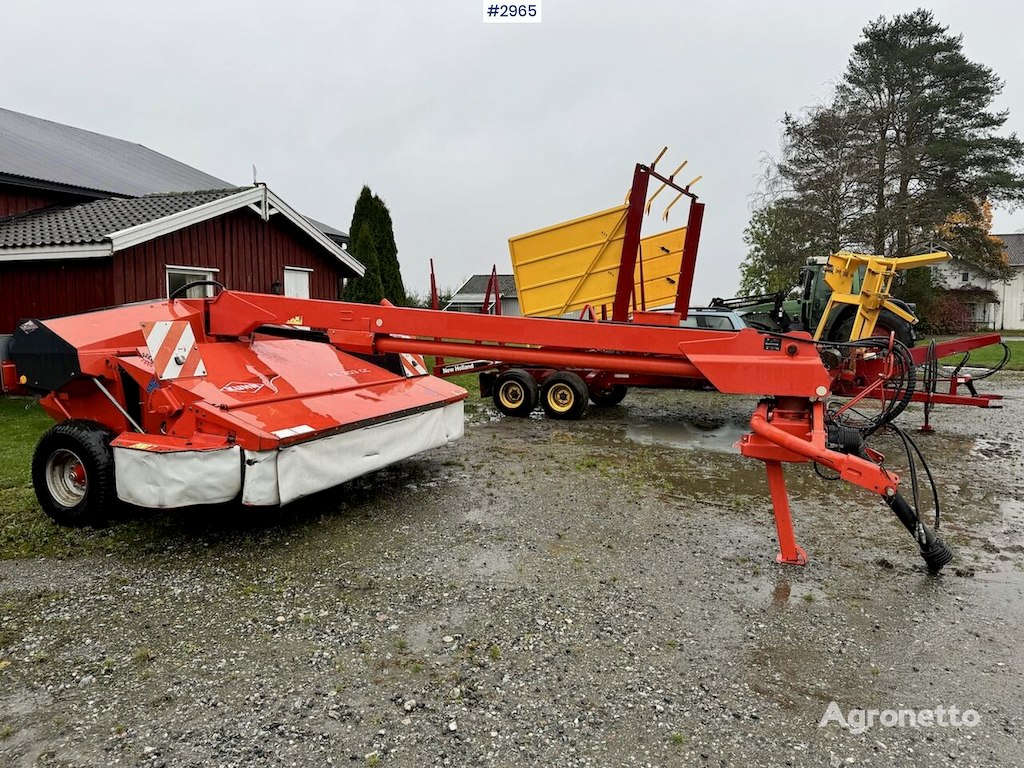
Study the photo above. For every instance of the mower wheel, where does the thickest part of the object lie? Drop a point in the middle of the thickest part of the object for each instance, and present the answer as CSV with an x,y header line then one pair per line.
x,y
564,395
73,473
608,396
515,393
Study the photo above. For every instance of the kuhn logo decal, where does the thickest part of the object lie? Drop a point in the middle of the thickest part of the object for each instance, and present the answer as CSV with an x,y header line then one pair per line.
x,y
249,387
252,387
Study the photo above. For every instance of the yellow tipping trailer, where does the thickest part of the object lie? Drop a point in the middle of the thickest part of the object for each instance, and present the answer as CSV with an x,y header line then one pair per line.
x,y
567,266
580,263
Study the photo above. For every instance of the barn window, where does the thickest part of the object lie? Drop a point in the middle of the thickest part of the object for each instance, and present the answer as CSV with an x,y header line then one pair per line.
x,y
296,282
179,276
965,276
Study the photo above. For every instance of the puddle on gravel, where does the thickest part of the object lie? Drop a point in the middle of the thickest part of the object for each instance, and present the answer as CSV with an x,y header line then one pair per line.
x,y
688,436
1011,521
777,590
988,448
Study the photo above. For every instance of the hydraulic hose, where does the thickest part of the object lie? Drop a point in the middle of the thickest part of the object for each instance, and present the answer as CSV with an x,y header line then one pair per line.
x,y
934,550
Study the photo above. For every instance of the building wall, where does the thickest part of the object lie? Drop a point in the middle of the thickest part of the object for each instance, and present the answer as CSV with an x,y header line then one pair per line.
x,y
1010,311
249,253
1008,314
955,274
470,302
510,306
16,199
48,288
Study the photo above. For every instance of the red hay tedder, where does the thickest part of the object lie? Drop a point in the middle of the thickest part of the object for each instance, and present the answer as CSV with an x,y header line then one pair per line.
x,y
267,399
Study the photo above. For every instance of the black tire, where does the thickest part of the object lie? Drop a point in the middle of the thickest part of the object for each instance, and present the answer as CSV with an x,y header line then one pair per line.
x,y
887,322
608,396
73,473
515,393
563,395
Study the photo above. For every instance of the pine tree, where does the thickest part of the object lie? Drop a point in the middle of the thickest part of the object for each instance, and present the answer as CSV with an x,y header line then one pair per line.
x,y
368,288
818,176
390,269
906,151
926,131
371,211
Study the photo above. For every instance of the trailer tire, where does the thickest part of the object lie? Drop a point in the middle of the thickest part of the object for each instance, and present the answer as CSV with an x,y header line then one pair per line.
x,y
886,322
564,395
515,393
608,396
73,473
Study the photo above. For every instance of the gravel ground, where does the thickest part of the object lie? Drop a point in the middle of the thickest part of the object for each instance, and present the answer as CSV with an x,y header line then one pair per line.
x,y
597,593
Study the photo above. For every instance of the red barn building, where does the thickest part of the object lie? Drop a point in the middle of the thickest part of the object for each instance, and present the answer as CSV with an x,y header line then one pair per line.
x,y
88,221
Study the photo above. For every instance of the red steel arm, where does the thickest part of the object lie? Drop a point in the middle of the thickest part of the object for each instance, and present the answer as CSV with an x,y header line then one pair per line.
x,y
727,360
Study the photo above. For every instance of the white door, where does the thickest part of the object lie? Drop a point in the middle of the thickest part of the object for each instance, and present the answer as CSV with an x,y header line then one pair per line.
x,y
296,282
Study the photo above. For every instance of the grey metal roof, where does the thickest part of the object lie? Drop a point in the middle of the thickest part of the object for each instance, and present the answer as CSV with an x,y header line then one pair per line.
x,y
477,285
341,238
42,153
94,222
1014,248
35,149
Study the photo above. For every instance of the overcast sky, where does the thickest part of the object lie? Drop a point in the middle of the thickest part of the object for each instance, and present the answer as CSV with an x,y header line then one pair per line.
x,y
471,132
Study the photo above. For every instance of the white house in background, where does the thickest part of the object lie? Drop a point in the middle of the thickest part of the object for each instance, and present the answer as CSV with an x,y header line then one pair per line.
x,y
471,296
1008,314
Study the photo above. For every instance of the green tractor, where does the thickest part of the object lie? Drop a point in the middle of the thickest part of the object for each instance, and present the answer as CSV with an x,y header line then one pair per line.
x,y
801,308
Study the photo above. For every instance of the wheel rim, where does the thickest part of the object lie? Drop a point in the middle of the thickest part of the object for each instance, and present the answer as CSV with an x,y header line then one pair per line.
x,y
66,479
511,394
560,397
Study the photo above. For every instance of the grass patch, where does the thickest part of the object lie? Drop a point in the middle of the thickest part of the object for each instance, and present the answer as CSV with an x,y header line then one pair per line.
x,y
23,526
468,381
22,422
25,531
986,357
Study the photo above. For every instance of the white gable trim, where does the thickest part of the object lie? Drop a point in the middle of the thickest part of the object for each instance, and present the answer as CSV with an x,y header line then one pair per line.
x,y
302,223
53,252
260,196
151,230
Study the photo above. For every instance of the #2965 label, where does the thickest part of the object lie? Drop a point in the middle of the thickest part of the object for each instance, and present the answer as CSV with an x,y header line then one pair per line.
x,y
511,13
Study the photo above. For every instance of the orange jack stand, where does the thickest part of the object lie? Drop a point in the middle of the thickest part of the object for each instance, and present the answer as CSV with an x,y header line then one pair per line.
x,y
790,553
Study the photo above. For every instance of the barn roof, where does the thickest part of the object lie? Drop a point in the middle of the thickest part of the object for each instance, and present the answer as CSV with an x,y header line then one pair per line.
x,y
102,227
43,154
1014,248
94,222
61,156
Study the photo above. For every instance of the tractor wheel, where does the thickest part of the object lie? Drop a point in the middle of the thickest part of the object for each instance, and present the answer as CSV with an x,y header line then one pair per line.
x,y
607,396
887,322
515,393
564,395
73,473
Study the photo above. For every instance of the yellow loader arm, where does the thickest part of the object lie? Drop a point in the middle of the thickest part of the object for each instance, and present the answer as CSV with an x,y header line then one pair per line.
x,y
875,288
